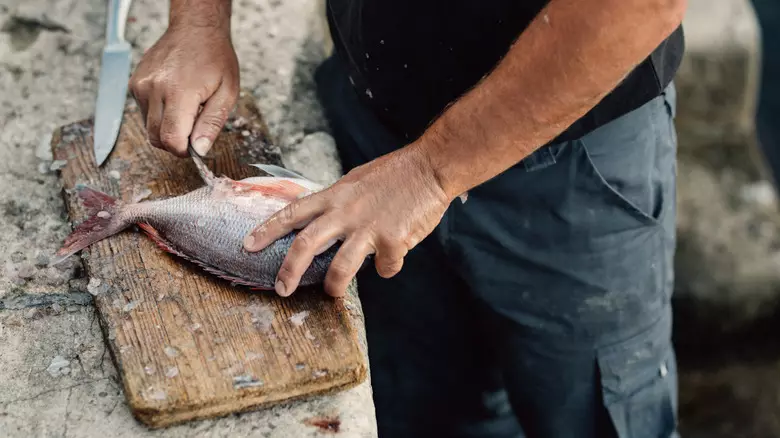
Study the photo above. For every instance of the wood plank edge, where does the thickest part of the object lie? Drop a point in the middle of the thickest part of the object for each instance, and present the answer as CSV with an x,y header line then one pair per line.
x,y
153,418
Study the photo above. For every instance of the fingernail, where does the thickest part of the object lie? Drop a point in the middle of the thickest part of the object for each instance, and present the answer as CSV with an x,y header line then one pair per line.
x,y
201,145
249,241
281,289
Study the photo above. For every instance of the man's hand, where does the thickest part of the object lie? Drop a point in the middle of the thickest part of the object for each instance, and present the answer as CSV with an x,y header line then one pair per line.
x,y
191,65
385,207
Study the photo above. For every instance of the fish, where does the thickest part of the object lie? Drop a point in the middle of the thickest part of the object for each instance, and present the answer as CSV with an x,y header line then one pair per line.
x,y
207,226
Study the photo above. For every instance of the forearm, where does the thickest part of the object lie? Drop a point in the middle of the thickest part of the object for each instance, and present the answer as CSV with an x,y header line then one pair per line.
x,y
572,55
200,13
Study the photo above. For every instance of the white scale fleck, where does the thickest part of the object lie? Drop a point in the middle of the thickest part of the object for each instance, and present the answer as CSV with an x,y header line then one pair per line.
x,y
130,306
104,215
261,315
157,394
93,287
114,175
246,381
298,318
59,366
57,165
149,370
251,355
171,352
142,194
369,93
172,372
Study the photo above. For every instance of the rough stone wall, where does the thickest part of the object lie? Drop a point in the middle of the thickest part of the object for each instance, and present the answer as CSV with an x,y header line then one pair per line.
x,y
728,258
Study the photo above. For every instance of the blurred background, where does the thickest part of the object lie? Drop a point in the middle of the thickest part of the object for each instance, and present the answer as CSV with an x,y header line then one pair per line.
x,y
728,260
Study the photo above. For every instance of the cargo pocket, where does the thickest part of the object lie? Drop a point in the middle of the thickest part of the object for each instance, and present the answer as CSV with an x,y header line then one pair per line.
x,y
613,181
639,387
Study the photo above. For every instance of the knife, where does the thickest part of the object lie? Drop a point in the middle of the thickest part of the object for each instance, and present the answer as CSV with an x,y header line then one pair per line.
x,y
112,86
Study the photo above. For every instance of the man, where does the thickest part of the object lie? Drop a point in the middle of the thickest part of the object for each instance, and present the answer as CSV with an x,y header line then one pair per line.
x,y
539,307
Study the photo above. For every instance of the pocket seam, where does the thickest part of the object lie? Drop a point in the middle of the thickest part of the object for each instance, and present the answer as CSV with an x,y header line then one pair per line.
x,y
621,200
542,157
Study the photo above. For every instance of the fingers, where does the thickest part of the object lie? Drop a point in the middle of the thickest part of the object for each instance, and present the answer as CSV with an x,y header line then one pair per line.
x,y
212,118
346,264
140,91
305,246
389,261
172,117
179,112
154,119
142,102
294,216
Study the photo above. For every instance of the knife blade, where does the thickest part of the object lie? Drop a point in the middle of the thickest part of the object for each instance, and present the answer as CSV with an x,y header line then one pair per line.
x,y
112,85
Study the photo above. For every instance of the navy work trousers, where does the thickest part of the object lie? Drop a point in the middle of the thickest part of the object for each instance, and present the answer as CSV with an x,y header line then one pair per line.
x,y
540,308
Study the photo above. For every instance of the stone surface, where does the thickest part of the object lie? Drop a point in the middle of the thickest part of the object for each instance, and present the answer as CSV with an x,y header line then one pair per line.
x,y
718,78
728,253
56,378
727,297
728,257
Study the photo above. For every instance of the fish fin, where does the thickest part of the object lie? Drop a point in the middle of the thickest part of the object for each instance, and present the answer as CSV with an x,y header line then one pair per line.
x,y
94,200
278,171
103,223
278,188
167,247
159,240
205,174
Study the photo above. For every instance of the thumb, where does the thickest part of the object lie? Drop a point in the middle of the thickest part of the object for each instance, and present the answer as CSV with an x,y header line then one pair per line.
x,y
212,118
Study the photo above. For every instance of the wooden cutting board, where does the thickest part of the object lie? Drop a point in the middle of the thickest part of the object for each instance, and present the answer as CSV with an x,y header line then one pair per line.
x,y
188,345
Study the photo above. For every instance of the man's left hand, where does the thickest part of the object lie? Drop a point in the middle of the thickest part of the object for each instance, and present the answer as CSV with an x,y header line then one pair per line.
x,y
384,207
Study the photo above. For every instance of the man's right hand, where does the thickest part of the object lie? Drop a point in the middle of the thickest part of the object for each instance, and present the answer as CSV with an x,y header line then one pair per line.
x,y
189,66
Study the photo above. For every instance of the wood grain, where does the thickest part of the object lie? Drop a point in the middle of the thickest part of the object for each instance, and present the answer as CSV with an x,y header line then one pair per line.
x,y
189,345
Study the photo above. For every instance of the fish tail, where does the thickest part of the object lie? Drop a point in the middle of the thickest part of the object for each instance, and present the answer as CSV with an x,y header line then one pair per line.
x,y
104,221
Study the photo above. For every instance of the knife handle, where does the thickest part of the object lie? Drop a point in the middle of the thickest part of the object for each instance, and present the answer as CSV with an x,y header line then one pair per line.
x,y
115,23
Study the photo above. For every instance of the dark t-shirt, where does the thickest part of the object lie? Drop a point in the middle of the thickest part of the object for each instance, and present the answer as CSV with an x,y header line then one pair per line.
x,y
409,59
